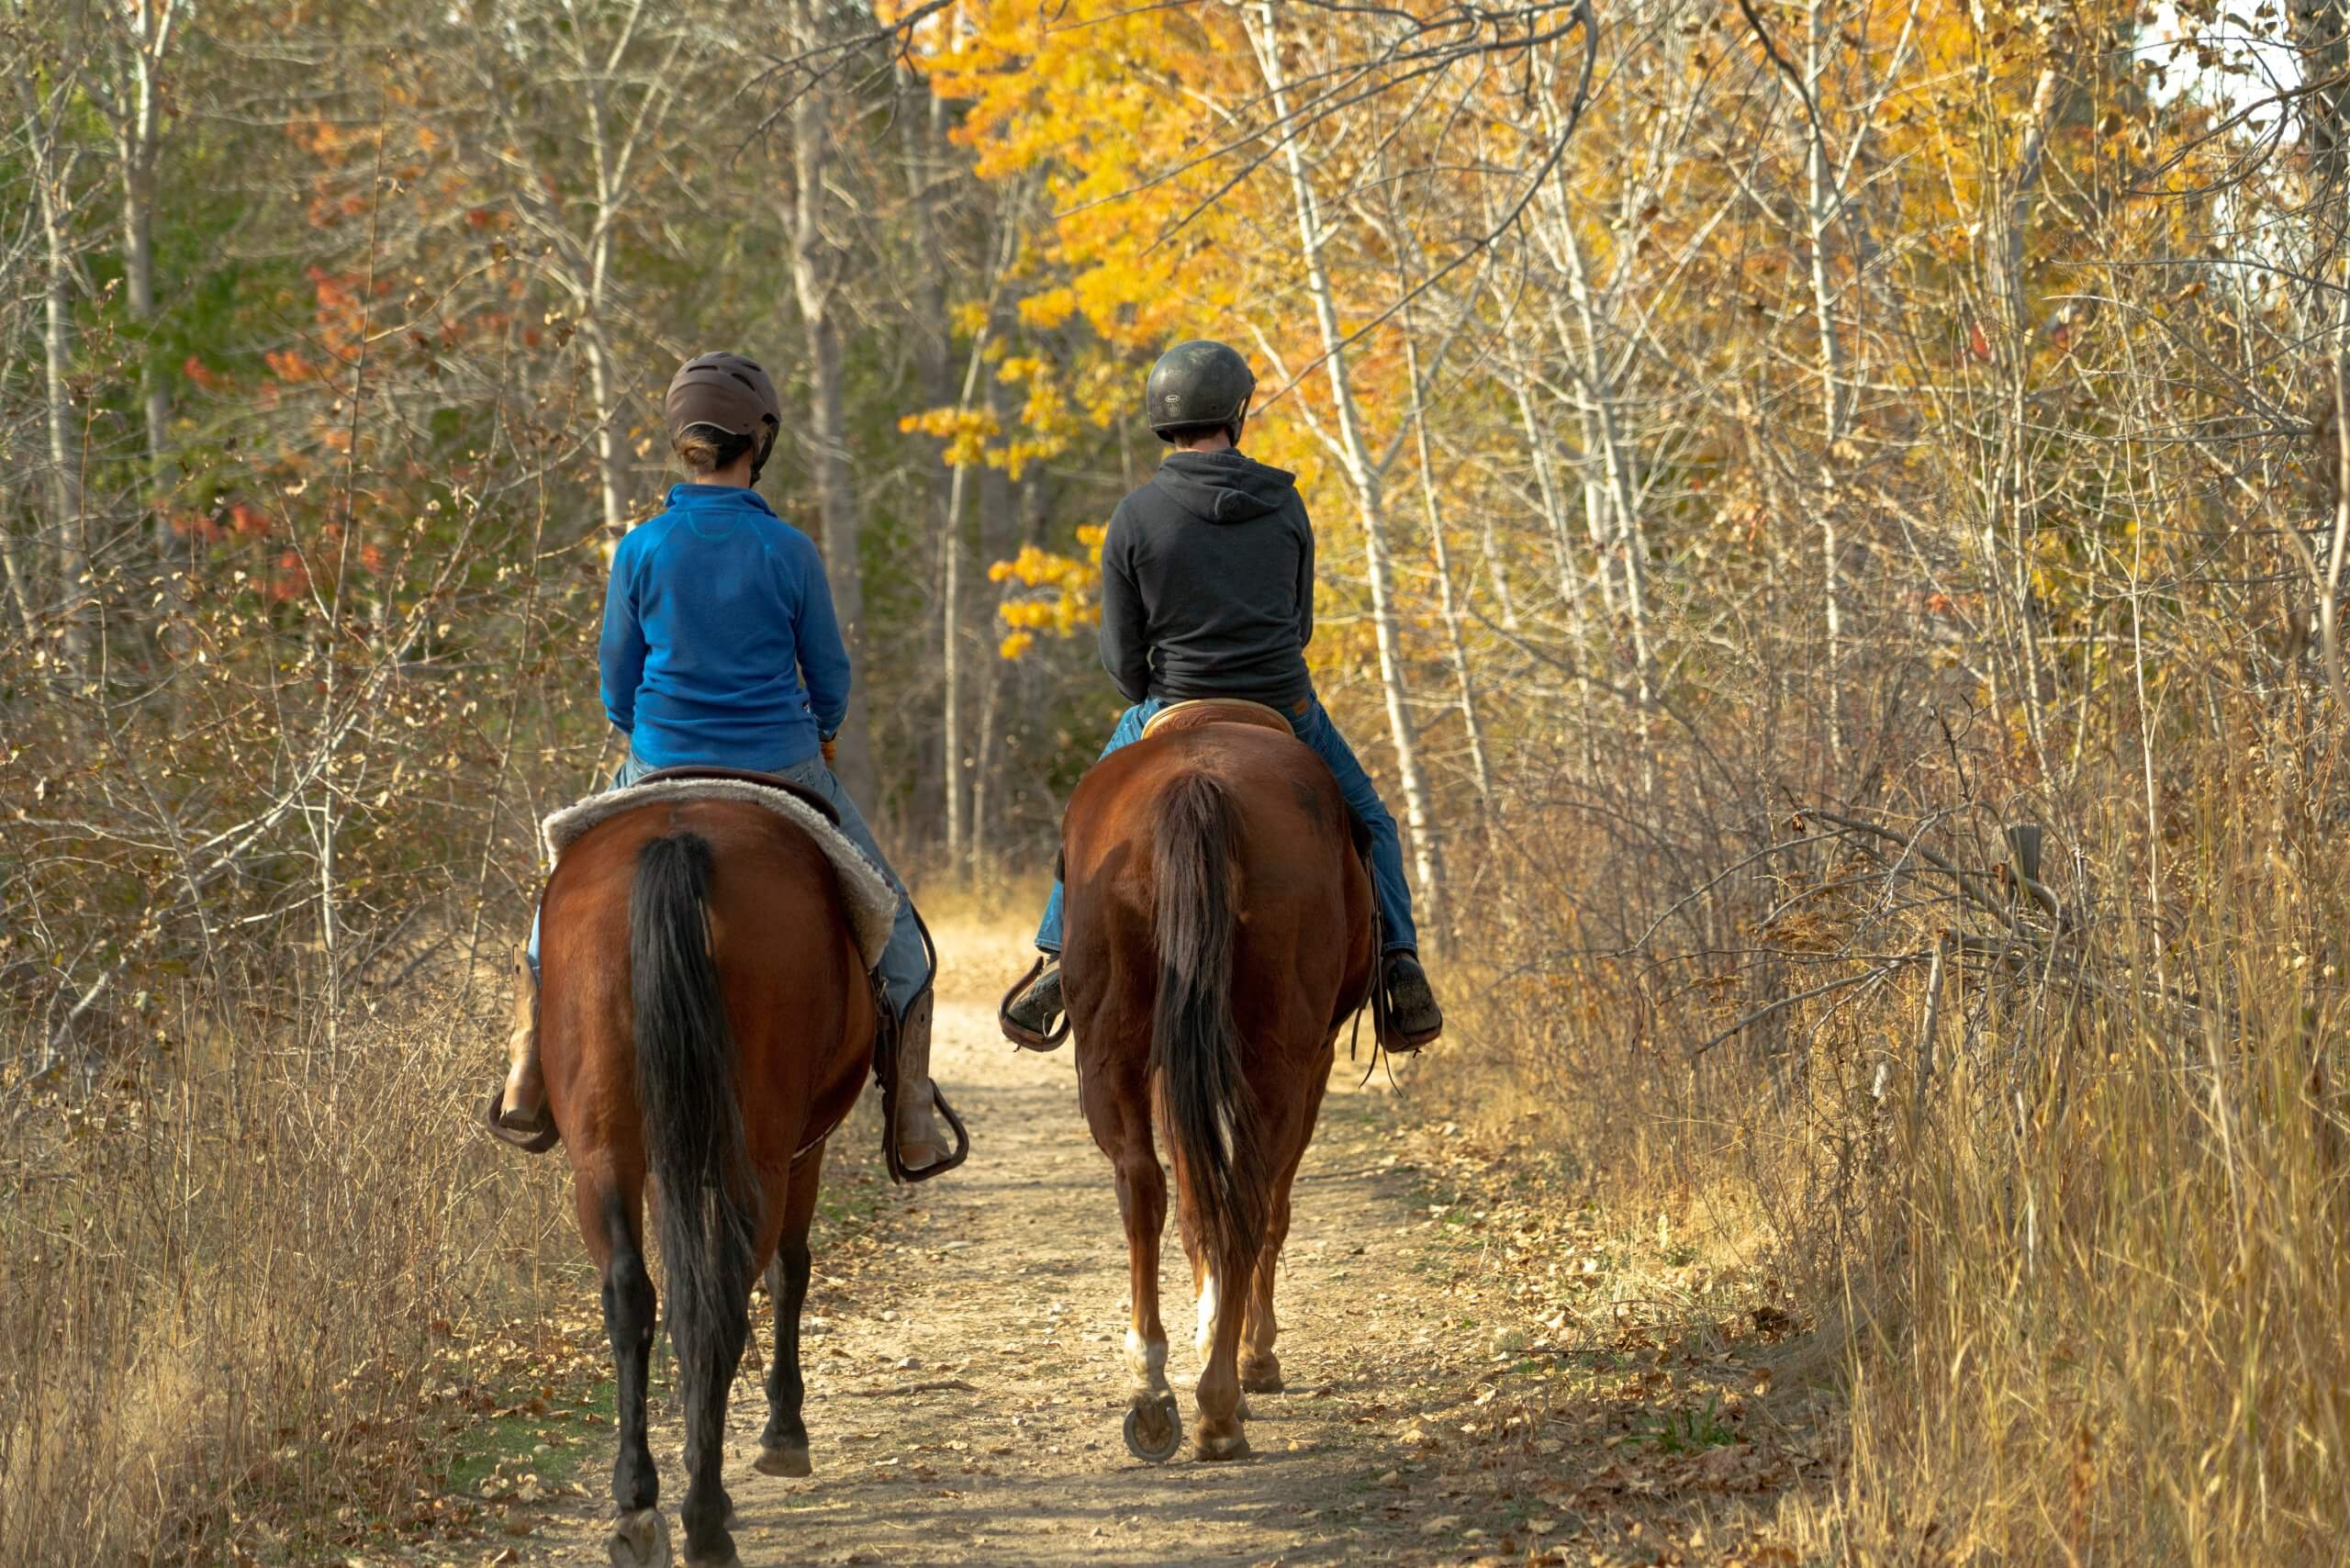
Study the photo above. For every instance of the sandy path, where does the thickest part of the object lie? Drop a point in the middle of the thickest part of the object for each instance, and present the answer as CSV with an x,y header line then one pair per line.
x,y
1005,1283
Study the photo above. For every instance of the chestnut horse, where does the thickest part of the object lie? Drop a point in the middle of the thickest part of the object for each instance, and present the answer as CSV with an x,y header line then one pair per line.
x,y
706,1020
1219,933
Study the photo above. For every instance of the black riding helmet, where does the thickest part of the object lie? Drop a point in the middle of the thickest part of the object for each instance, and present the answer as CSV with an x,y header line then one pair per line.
x,y
1198,383
729,393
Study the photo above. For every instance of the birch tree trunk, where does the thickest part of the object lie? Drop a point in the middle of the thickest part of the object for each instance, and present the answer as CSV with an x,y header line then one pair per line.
x,y
815,270
950,641
614,179
69,538
921,133
137,120
1820,203
1364,478
610,475
1596,389
1447,607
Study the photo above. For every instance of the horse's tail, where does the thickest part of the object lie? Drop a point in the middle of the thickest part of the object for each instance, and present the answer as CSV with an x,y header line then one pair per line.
x,y
693,1120
1210,1111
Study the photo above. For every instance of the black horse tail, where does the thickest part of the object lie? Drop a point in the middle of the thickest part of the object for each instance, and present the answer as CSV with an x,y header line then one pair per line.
x,y
1210,1111
693,1120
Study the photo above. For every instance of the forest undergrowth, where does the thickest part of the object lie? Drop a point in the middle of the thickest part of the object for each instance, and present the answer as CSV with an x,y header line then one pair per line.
x,y
2052,1193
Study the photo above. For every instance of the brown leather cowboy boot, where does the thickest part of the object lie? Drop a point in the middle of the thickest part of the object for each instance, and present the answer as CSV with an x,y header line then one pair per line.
x,y
921,1143
518,1112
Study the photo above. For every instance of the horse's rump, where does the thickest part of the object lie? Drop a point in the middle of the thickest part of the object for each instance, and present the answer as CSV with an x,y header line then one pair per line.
x,y
779,933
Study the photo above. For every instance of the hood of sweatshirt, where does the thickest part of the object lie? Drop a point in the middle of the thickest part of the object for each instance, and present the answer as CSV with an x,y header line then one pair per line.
x,y
1225,487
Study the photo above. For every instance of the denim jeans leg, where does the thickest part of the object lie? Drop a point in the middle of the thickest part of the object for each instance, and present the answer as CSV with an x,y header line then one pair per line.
x,y
905,966
631,770
1128,731
1387,880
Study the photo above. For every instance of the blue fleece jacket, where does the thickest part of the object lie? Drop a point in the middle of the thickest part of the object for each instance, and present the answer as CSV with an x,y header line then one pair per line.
x,y
717,609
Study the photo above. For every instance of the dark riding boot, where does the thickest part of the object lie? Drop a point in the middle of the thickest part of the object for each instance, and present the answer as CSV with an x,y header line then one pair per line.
x,y
1411,1000
921,1143
518,1112
1036,1008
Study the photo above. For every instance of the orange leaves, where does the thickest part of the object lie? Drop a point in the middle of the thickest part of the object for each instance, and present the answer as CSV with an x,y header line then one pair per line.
x,y
289,364
1067,602
1112,106
965,431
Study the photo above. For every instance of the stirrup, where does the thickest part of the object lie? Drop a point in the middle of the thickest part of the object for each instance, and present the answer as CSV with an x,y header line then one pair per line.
x,y
1392,1037
529,1142
887,1027
1020,1034
899,1171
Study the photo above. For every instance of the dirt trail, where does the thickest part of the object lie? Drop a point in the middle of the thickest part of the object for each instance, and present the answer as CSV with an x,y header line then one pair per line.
x,y
965,1391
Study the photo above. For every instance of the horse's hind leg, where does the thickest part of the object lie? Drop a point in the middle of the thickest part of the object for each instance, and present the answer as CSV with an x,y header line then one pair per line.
x,y
708,1509
612,1218
783,1450
1260,1370
1117,1109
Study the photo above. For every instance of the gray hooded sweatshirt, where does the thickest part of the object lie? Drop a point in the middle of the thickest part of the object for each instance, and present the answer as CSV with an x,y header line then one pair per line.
x,y
1207,583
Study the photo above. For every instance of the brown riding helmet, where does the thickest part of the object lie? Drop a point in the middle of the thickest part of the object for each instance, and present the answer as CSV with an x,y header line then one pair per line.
x,y
729,393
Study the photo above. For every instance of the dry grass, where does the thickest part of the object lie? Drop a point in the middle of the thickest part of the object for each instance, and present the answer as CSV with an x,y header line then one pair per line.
x,y
2105,1318
2079,1291
225,1306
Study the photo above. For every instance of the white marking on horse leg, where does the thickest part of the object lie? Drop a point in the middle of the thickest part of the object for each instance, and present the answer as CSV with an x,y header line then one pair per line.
x,y
1207,1312
1147,1358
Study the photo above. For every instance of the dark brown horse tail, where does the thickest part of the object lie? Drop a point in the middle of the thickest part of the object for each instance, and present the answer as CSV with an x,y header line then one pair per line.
x,y
1211,1113
693,1119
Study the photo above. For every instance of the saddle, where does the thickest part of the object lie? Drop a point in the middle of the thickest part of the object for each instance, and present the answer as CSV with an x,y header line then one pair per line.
x,y
800,793
1198,711
872,902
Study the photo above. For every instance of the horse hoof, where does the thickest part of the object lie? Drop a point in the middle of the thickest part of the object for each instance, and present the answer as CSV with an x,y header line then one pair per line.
x,y
1261,1377
639,1539
722,1558
1233,1446
791,1460
1154,1431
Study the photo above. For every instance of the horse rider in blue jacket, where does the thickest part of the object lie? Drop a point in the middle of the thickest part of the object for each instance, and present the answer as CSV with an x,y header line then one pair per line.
x,y
720,649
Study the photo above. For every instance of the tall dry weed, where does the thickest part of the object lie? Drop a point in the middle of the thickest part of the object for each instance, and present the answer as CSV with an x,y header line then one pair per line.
x,y
225,1306
2061,1171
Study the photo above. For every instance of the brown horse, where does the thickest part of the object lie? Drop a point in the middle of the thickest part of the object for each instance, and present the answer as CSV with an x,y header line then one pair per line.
x,y
706,1020
1219,933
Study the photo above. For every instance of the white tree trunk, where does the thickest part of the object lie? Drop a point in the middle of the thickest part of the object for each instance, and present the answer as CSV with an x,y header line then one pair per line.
x,y
69,541
1363,478
1448,606
814,273
138,114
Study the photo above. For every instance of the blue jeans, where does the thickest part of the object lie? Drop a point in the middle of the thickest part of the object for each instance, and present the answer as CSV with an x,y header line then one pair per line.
x,y
1314,727
904,968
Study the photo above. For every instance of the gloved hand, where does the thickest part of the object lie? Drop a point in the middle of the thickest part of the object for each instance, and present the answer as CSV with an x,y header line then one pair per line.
x,y
831,746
